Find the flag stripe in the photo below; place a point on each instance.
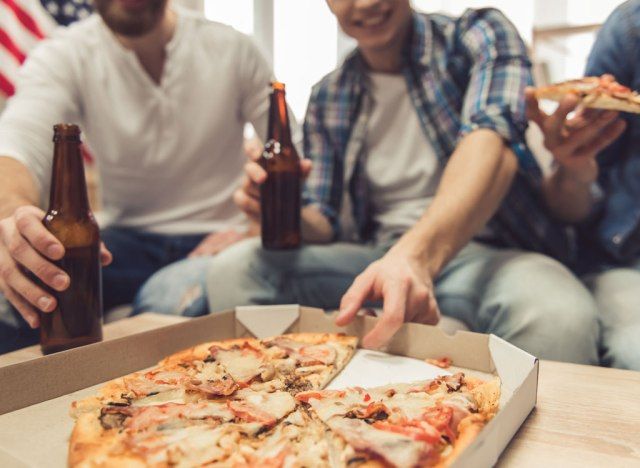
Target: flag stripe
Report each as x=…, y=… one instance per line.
x=8, y=44
x=26, y=20
x=6, y=87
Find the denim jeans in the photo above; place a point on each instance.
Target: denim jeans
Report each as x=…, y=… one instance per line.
x=136, y=256
x=526, y=298
x=617, y=293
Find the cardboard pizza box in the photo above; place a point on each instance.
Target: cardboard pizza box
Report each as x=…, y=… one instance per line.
x=36, y=395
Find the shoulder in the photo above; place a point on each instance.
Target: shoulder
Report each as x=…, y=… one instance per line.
x=340, y=84
x=213, y=35
x=68, y=44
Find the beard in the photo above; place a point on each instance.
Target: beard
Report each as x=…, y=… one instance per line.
x=131, y=22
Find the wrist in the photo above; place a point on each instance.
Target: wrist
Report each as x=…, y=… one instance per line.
x=571, y=179
x=421, y=253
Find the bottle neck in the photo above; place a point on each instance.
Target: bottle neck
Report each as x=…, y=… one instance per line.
x=279, y=119
x=68, y=187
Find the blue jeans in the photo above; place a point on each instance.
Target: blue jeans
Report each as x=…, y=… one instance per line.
x=526, y=298
x=617, y=293
x=136, y=256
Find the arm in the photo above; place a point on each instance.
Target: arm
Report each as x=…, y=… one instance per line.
x=43, y=98
x=576, y=142
x=475, y=180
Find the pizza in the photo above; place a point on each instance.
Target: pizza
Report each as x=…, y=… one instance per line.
x=263, y=403
x=602, y=92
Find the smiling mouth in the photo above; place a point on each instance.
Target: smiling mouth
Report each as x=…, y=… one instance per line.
x=373, y=21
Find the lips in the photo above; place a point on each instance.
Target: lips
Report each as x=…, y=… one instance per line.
x=374, y=20
x=134, y=4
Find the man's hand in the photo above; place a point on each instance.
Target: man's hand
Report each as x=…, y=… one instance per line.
x=217, y=242
x=575, y=142
x=247, y=197
x=404, y=286
x=26, y=245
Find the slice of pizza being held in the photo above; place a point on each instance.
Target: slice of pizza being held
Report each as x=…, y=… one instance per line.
x=602, y=92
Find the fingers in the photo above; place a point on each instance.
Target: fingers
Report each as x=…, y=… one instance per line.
x=305, y=167
x=395, y=302
x=105, y=255
x=28, y=220
x=19, y=251
x=249, y=205
x=255, y=172
x=533, y=108
x=555, y=122
x=602, y=139
x=15, y=281
x=586, y=137
x=356, y=295
x=23, y=307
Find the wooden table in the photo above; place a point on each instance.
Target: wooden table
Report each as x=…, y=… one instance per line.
x=586, y=416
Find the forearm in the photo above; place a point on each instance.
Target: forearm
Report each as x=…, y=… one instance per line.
x=17, y=187
x=316, y=228
x=476, y=179
x=570, y=200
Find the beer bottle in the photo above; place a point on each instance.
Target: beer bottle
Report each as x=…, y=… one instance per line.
x=77, y=318
x=280, y=193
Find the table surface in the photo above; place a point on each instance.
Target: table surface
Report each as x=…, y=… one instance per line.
x=585, y=416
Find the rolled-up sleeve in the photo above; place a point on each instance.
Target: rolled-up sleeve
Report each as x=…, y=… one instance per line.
x=45, y=95
x=500, y=70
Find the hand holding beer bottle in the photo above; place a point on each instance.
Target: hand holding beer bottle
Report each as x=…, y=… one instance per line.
x=30, y=253
x=270, y=193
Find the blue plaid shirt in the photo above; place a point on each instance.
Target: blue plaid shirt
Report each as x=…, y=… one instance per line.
x=612, y=236
x=462, y=74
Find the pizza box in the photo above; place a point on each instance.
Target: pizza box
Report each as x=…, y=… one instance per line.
x=36, y=395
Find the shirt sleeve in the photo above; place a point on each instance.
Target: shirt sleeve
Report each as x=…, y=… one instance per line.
x=320, y=189
x=46, y=94
x=500, y=70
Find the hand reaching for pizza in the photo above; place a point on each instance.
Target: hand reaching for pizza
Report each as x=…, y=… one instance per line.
x=406, y=290
x=575, y=142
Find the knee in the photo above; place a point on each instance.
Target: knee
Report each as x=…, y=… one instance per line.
x=177, y=289
x=545, y=306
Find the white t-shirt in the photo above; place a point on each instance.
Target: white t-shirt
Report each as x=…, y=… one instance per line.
x=169, y=155
x=402, y=168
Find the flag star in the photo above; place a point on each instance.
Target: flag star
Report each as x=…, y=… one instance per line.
x=53, y=8
x=69, y=9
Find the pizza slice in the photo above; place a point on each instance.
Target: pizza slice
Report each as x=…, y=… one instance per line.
x=602, y=92
x=306, y=361
x=406, y=425
x=167, y=434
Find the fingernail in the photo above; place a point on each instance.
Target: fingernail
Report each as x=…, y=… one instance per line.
x=60, y=281
x=33, y=323
x=54, y=250
x=44, y=303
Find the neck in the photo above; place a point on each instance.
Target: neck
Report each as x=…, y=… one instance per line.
x=388, y=59
x=150, y=48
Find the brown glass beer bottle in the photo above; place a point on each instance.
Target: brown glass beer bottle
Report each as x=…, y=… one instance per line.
x=77, y=318
x=280, y=193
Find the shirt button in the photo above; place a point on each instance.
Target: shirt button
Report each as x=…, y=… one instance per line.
x=617, y=239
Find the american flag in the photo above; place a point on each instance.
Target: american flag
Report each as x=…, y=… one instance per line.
x=23, y=23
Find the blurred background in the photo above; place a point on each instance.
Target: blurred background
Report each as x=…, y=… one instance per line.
x=303, y=42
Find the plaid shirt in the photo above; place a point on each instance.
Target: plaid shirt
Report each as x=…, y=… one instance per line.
x=462, y=74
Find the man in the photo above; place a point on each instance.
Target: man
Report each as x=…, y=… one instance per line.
x=425, y=114
x=162, y=97
x=596, y=185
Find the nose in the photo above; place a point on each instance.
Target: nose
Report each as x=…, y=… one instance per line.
x=366, y=4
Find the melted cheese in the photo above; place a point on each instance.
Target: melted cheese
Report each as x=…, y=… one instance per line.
x=242, y=366
x=396, y=449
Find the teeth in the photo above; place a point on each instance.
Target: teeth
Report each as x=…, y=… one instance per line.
x=375, y=21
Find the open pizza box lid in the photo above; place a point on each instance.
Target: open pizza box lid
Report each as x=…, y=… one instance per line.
x=36, y=395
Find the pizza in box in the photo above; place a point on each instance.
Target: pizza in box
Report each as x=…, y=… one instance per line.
x=263, y=403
